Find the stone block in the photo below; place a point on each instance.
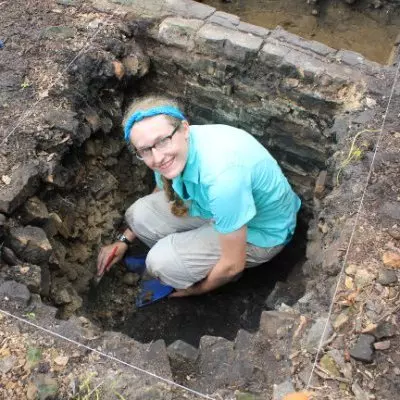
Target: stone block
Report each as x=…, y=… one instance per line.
x=188, y=8
x=216, y=40
x=253, y=29
x=224, y=19
x=349, y=57
x=273, y=53
x=179, y=32
x=24, y=183
x=295, y=40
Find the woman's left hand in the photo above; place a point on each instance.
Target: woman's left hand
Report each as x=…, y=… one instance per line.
x=190, y=291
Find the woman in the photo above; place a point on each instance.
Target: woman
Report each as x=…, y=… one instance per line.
x=221, y=202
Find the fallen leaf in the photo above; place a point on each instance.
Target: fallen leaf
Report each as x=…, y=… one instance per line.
x=62, y=361
x=349, y=282
x=391, y=259
x=6, y=179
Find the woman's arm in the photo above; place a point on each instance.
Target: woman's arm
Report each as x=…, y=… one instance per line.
x=231, y=263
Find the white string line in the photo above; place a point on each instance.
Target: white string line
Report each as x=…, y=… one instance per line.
x=88, y=43
x=354, y=227
x=169, y=382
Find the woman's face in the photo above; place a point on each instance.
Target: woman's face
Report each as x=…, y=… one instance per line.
x=166, y=155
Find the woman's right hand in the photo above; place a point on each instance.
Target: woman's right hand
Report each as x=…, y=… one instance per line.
x=110, y=255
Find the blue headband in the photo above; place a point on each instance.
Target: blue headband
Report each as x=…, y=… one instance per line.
x=151, y=112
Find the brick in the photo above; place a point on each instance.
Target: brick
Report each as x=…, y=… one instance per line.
x=179, y=32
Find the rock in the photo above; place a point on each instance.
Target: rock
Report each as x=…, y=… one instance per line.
x=315, y=334
x=391, y=259
x=391, y=210
x=7, y=363
x=363, y=278
x=283, y=293
x=3, y=225
x=362, y=350
x=394, y=232
x=131, y=278
x=215, y=362
x=53, y=225
x=387, y=277
x=64, y=120
x=34, y=212
x=61, y=297
x=274, y=323
x=282, y=389
x=182, y=351
x=31, y=244
x=25, y=181
x=329, y=364
x=68, y=309
x=104, y=183
x=382, y=345
x=28, y=274
x=9, y=256
x=384, y=330
x=15, y=291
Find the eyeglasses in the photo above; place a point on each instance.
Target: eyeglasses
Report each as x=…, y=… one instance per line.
x=161, y=144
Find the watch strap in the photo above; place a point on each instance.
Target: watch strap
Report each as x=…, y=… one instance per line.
x=124, y=239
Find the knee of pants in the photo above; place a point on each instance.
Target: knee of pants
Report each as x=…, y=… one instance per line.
x=165, y=265
x=137, y=215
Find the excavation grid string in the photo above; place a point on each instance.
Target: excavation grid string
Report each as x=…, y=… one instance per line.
x=341, y=273
x=110, y=357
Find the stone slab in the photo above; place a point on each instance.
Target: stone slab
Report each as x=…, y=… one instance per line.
x=216, y=40
x=224, y=19
x=179, y=32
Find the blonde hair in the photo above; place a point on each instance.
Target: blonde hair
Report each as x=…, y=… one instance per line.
x=178, y=207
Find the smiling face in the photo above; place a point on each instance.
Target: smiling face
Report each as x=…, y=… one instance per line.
x=171, y=159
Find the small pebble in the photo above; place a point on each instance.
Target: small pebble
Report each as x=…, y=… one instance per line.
x=382, y=345
x=387, y=277
x=314, y=12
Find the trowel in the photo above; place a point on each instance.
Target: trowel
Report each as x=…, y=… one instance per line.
x=150, y=290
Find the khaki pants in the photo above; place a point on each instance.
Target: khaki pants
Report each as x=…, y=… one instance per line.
x=183, y=249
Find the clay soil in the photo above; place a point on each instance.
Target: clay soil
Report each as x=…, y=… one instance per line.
x=29, y=65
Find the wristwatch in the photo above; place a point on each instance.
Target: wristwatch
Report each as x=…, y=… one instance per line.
x=124, y=239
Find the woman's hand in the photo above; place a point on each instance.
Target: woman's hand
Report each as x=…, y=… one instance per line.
x=110, y=255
